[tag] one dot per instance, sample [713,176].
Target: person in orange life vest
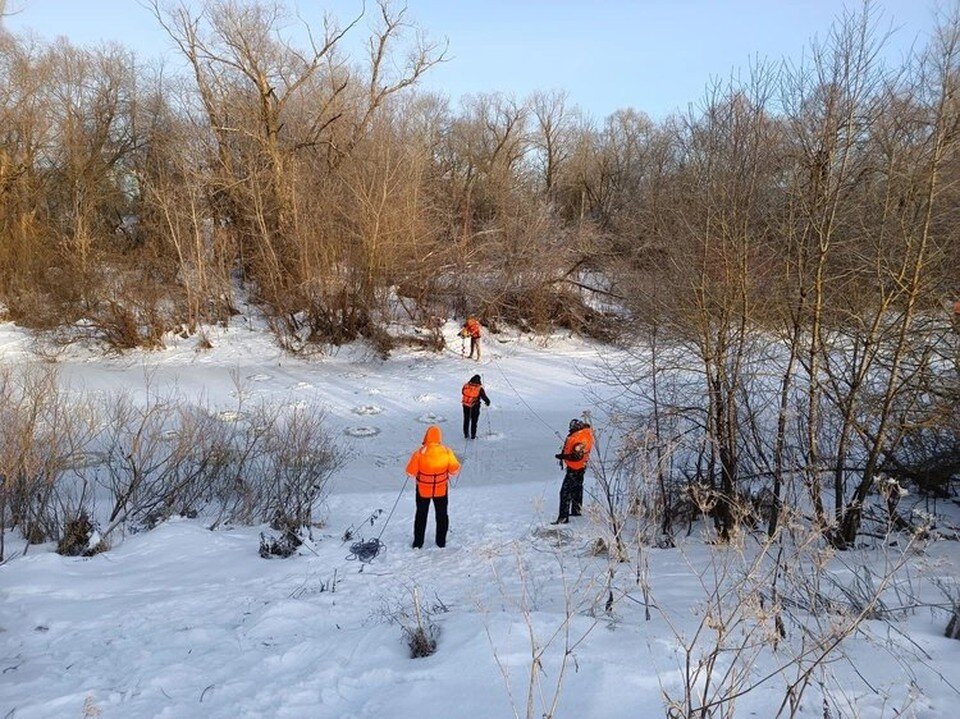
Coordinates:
[473,394]
[472,330]
[956,316]
[432,465]
[575,455]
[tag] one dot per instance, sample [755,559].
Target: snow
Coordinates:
[181,621]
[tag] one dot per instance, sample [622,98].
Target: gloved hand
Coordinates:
[558,456]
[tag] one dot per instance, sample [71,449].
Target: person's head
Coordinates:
[576,425]
[475,379]
[433,435]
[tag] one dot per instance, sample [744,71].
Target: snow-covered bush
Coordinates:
[134,462]
[417,621]
[301,458]
[80,537]
[928,457]
[45,451]
[262,464]
[419,629]
[282,546]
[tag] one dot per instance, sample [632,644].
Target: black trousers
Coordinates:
[571,493]
[420,519]
[475,347]
[471,415]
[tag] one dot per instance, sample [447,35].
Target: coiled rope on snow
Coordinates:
[366,550]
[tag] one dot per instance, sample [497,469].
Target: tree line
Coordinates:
[795,231]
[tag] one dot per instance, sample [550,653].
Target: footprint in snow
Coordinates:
[303,385]
[260,377]
[493,436]
[386,461]
[361,432]
[425,397]
[367,409]
[554,534]
[431,418]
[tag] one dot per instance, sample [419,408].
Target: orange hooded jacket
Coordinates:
[582,441]
[432,465]
[472,327]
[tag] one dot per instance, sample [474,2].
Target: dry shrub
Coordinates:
[420,632]
[547,307]
[283,546]
[422,641]
[154,458]
[252,464]
[778,604]
[80,538]
[126,326]
[417,621]
[43,436]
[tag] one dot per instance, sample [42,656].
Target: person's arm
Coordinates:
[453,464]
[483,396]
[575,455]
[413,466]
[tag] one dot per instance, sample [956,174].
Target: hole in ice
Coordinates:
[367,409]
[431,418]
[362,431]
[259,377]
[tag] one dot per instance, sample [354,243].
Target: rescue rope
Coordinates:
[366,550]
[525,403]
[351,530]
[463,463]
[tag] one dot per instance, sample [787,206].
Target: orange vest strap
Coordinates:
[444,476]
[471,393]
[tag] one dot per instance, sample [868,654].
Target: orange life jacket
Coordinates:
[580,441]
[432,465]
[956,308]
[471,394]
[472,327]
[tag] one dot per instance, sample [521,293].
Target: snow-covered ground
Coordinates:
[185,622]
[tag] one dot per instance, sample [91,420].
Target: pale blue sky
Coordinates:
[655,55]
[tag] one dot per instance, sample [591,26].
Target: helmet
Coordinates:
[575,424]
